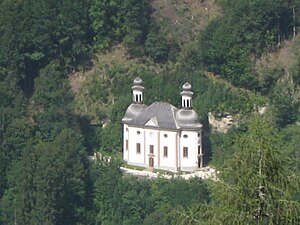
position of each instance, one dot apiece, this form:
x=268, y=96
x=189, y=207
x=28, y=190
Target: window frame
x=151, y=149
x=185, y=152
x=165, y=151
x=138, y=148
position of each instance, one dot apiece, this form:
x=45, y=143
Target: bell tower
x=137, y=91
x=186, y=96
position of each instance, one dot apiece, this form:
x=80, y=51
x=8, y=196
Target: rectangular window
x=165, y=151
x=199, y=149
x=151, y=149
x=126, y=145
x=138, y=148
x=185, y=152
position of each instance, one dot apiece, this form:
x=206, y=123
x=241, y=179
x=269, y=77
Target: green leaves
x=257, y=185
x=114, y=21
x=230, y=43
x=48, y=183
x=35, y=32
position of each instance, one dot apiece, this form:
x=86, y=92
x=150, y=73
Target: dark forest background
x=66, y=68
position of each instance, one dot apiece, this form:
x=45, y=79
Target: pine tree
x=255, y=186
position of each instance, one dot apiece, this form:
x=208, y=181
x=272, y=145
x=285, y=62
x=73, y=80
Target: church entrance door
x=151, y=162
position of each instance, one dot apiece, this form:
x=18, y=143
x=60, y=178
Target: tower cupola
x=137, y=91
x=186, y=96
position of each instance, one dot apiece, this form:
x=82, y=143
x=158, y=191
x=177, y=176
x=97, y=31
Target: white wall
x=134, y=138
x=172, y=143
x=151, y=138
x=125, y=137
x=191, y=142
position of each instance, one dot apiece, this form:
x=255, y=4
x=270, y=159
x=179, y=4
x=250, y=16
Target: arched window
x=185, y=136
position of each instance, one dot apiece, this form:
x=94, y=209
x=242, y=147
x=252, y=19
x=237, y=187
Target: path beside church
x=203, y=173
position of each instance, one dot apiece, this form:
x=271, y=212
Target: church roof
x=133, y=111
x=161, y=115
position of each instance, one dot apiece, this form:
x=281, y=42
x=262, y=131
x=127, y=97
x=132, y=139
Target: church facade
x=161, y=136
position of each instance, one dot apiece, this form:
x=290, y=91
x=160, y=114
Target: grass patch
x=165, y=172
x=140, y=168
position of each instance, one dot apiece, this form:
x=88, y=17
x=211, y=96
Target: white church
x=161, y=136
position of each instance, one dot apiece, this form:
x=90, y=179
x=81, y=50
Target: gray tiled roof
x=133, y=111
x=164, y=114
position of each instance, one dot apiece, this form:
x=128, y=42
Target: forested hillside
x=66, y=68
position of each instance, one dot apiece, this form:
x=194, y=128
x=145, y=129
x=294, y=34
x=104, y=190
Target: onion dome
x=133, y=111
x=137, y=84
x=187, y=118
x=187, y=90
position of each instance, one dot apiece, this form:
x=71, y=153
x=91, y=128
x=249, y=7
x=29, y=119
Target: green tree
x=48, y=183
x=246, y=30
x=256, y=186
x=285, y=106
x=61, y=180
x=52, y=103
x=112, y=20
x=290, y=143
x=35, y=32
x=15, y=139
x=156, y=45
x=106, y=178
x=110, y=138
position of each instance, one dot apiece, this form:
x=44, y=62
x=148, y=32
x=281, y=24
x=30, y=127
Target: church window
x=185, y=152
x=199, y=149
x=151, y=149
x=126, y=144
x=165, y=135
x=138, y=148
x=199, y=134
x=138, y=132
x=185, y=136
x=136, y=98
x=165, y=151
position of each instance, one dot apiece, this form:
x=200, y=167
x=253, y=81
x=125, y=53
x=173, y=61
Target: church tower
x=186, y=96
x=137, y=91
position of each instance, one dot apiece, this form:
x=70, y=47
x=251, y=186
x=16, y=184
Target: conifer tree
x=255, y=186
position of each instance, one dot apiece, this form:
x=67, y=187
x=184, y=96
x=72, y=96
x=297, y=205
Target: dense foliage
x=255, y=186
x=64, y=90
x=246, y=30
